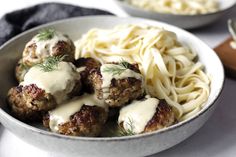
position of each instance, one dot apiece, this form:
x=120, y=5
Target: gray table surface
x=217, y=138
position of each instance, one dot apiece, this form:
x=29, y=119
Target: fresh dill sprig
x=128, y=132
x=117, y=69
x=46, y=34
x=124, y=64
x=51, y=63
x=111, y=130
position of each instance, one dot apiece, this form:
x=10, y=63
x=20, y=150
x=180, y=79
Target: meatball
x=88, y=64
x=88, y=121
x=61, y=79
x=135, y=116
x=122, y=88
x=48, y=43
x=163, y=117
x=29, y=103
x=21, y=70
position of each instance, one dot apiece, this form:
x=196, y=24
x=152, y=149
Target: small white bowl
x=138, y=145
x=183, y=21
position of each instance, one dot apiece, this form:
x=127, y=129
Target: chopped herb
x=46, y=34
x=128, y=132
x=112, y=130
x=117, y=69
x=124, y=64
x=51, y=63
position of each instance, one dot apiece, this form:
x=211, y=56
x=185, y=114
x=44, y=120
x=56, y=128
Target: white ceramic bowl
x=138, y=145
x=183, y=21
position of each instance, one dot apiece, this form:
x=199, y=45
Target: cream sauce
x=62, y=114
x=108, y=76
x=138, y=113
x=58, y=82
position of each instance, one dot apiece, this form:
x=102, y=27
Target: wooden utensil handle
x=228, y=56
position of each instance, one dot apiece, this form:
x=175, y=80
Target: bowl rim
x=31, y=128
x=125, y=4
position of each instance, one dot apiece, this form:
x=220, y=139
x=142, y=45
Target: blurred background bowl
x=183, y=21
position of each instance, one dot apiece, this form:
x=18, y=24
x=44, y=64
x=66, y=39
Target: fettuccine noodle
x=168, y=67
x=185, y=7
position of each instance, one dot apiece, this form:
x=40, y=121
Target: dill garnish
x=46, y=34
x=128, y=132
x=124, y=64
x=51, y=63
x=117, y=69
x=111, y=130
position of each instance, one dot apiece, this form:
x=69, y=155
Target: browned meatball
x=88, y=121
x=121, y=91
x=21, y=70
x=163, y=117
x=89, y=64
x=60, y=79
x=29, y=103
x=48, y=43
